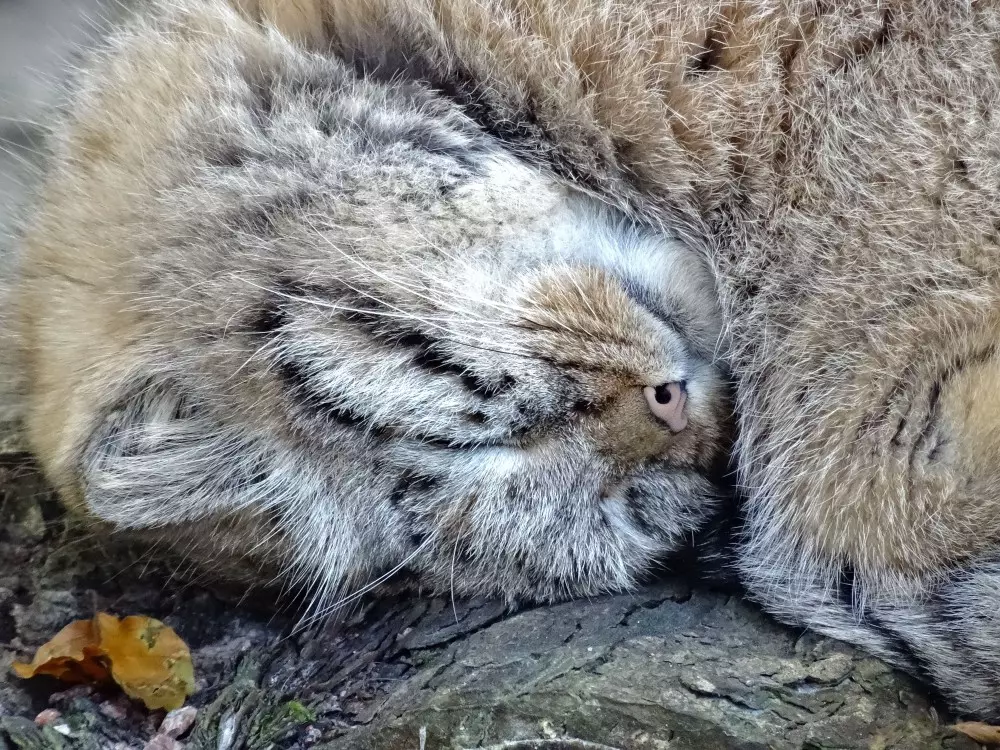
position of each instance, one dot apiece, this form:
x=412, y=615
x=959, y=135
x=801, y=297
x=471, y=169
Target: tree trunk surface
x=669, y=666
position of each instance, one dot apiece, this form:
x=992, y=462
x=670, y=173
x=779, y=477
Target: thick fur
x=836, y=162
x=840, y=161
x=270, y=308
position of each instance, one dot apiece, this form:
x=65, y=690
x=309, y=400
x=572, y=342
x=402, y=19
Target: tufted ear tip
x=667, y=402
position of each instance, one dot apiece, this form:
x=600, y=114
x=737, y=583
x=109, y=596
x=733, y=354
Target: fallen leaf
x=980, y=732
x=142, y=655
x=73, y=655
x=148, y=660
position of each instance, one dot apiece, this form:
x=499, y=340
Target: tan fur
x=263, y=295
x=840, y=161
x=837, y=163
x=63, y=368
x=609, y=83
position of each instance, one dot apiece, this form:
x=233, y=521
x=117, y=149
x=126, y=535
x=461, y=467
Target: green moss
x=299, y=713
x=280, y=722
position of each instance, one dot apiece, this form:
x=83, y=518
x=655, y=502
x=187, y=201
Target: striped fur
x=840, y=162
x=836, y=163
x=276, y=311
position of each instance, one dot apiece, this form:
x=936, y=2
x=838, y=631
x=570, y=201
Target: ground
x=669, y=666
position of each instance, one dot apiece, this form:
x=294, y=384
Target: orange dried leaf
x=148, y=660
x=145, y=657
x=73, y=655
x=987, y=734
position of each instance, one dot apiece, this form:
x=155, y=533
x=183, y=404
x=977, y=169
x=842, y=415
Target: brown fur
x=838, y=164
x=263, y=295
x=804, y=141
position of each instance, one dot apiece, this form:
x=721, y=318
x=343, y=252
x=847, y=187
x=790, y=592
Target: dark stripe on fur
x=638, y=518
x=300, y=384
x=673, y=319
x=515, y=124
x=269, y=319
x=430, y=357
x=907, y=657
x=262, y=217
x=710, y=55
x=411, y=482
x=369, y=314
x=486, y=389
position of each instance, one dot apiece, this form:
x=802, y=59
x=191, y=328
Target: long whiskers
x=415, y=291
x=451, y=584
x=324, y=611
x=456, y=338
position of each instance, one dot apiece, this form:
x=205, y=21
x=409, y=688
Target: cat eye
x=667, y=402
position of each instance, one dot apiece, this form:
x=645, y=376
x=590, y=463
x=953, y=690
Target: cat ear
x=156, y=458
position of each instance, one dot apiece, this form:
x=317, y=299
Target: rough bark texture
x=666, y=667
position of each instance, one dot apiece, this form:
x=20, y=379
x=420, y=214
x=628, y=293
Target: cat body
x=834, y=163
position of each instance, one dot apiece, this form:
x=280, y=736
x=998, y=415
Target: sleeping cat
x=359, y=285
x=278, y=312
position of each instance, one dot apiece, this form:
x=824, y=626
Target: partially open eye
x=667, y=402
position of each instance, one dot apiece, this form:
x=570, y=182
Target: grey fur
x=361, y=340
x=835, y=163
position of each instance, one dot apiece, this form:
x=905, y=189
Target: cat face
x=331, y=325
x=532, y=413
x=534, y=417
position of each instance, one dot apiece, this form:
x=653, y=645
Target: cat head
x=332, y=325
x=533, y=413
